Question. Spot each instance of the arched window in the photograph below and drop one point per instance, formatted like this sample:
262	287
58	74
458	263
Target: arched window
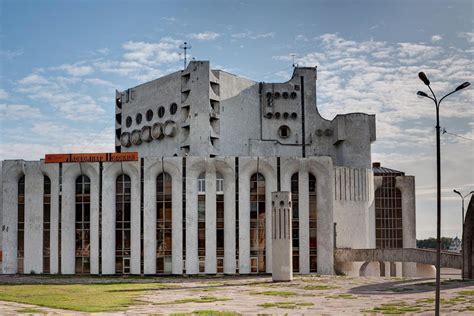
83	224
257	223
202	222
220	222
313	242
122	224
21	226
46	223
163	223
295	222
388	214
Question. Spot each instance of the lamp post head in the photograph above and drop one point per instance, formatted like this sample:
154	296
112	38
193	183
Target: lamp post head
423	78
463	85
456	191
421	94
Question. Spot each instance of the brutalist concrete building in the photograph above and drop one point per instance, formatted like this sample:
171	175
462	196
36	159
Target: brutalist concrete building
212	148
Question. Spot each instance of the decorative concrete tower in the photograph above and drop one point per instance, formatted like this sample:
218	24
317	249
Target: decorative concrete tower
282	265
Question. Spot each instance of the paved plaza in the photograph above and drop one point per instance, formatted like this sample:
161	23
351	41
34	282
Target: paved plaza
306	295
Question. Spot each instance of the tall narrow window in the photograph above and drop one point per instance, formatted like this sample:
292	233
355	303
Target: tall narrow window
122	224
21	226
295	222
313	251
388	214
83	224
46	223
163	223
202	222
257	223
220	222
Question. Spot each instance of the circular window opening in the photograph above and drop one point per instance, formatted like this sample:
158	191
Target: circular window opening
277	115
128	121
285	95
149	115
284	131
269	95
269	115
138	118
293	95
161	111
277	95
173	108
286	115
294	115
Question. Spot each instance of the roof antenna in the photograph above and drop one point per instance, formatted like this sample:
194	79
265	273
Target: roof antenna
185	47
295	65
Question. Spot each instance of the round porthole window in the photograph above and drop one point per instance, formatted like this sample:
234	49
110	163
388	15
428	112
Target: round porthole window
161	111
294	115
293	95
128	121
138	118
277	115
286	115
149	115
277	95
284	131
269	95
173	108
285	95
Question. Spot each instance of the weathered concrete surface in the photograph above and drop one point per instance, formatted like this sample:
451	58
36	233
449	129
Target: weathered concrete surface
448	259
282	259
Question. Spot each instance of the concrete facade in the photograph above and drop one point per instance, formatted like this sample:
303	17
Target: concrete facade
213	140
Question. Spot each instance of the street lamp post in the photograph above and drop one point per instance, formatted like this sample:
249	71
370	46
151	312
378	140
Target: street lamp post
462	221
425	80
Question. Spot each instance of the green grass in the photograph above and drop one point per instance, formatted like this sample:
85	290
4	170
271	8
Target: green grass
206	312
392	309
276	293
29	310
200	299
286	305
344	296
466	293
78	297
318	287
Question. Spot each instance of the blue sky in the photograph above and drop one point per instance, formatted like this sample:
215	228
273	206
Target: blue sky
61	62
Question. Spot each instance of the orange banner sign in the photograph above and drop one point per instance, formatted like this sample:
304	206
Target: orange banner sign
95	157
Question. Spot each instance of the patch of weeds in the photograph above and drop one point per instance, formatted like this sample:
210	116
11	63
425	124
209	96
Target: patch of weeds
29	310
318	287
343	296
426	300
201	299
392	309
207	312
206	289
286	305
276	293
466	293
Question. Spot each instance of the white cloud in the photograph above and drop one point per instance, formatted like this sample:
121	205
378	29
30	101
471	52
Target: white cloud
76	70
204	36
10	54
469	36
98	82
436	38
252	35
18	112
4	94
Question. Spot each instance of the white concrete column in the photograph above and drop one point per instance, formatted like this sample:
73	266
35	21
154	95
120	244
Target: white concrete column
303	208
192	260
68	217
108	219
406	185
244	217
52	171
94	217
11	173
33	218
133	170
211	256
229	217
269	170
149	214
177	220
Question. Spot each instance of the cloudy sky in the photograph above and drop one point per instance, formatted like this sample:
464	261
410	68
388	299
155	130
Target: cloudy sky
61	62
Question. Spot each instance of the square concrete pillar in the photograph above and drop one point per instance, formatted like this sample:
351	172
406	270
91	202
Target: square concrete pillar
282	261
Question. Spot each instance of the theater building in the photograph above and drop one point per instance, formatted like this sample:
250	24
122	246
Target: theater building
188	191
